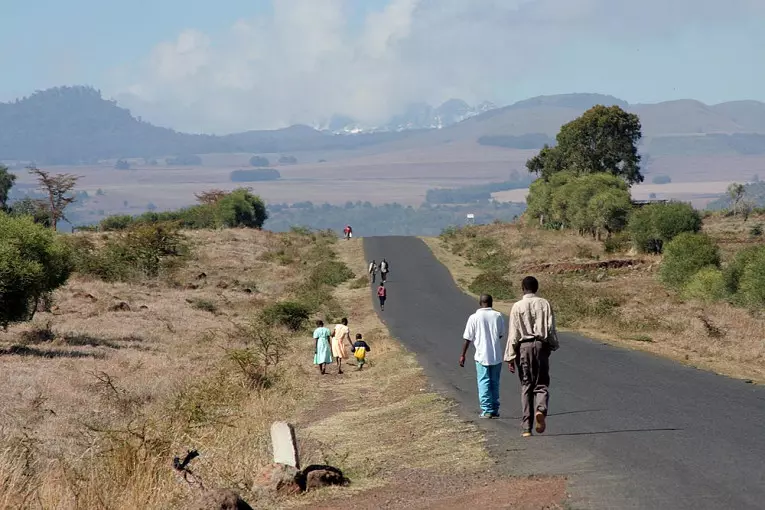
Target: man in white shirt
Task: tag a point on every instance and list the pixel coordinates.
(485, 330)
(531, 339)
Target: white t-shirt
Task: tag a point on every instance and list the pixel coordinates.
(485, 329)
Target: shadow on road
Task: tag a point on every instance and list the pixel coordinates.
(610, 432)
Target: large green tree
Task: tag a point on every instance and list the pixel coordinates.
(603, 140)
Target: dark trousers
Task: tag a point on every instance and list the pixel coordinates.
(534, 373)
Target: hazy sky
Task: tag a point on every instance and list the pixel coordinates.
(245, 64)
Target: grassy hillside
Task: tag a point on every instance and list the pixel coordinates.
(614, 296)
(118, 377)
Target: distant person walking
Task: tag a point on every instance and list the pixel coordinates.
(348, 232)
(485, 330)
(384, 267)
(340, 336)
(382, 295)
(373, 270)
(531, 339)
(322, 354)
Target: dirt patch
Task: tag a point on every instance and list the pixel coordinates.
(425, 490)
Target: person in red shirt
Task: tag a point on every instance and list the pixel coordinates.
(382, 294)
(348, 231)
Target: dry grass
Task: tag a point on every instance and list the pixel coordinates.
(624, 306)
(97, 401)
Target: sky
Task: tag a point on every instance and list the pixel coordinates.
(234, 65)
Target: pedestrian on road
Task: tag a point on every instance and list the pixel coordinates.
(384, 270)
(348, 232)
(373, 270)
(531, 339)
(340, 336)
(485, 330)
(322, 354)
(382, 294)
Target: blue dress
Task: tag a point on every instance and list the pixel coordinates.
(323, 351)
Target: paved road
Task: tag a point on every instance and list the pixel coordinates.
(630, 429)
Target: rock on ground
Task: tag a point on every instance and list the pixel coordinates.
(221, 499)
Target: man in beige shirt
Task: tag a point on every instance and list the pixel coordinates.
(531, 338)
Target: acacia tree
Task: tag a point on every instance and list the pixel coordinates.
(58, 187)
(603, 140)
(736, 193)
(6, 183)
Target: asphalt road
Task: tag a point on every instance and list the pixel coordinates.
(629, 429)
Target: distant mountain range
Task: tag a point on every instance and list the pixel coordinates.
(416, 116)
(76, 125)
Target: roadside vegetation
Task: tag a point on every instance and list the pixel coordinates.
(122, 349)
(659, 276)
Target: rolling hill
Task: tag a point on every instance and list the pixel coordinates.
(76, 125)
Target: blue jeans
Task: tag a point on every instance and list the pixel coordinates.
(488, 387)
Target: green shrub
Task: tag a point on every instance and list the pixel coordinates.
(240, 208)
(685, 255)
(707, 285)
(204, 305)
(494, 283)
(141, 251)
(331, 272)
(752, 283)
(291, 314)
(34, 261)
(116, 222)
(616, 243)
(654, 225)
(735, 268)
(756, 230)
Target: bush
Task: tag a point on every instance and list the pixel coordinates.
(736, 267)
(122, 164)
(240, 208)
(286, 313)
(654, 225)
(685, 255)
(331, 272)
(752, 283)
(616, 243)
(661, 179)
(706, 285)
(116, 222)
(494, 283)
(288, 160)
(756, 230)
(34, 261)
(259, 161)
(265, 174)
(145, 250)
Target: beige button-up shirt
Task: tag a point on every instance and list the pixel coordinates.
(531, 317)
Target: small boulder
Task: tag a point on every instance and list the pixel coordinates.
(201, 276)
(278, 479)
(317, 477)
(120, 307)
(221, 499)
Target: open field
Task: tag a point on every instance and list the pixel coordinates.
(99, 398)
(624, 303)
(401, 176)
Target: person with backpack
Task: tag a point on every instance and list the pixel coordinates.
(384, 270)
(373, 270)
(382, 295)
(348, 232)
(360, 350)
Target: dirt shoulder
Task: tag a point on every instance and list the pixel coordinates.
(613, 297)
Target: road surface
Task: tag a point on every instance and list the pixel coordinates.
(629, 429)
